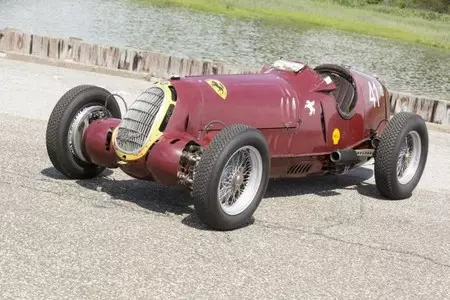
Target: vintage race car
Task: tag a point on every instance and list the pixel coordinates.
(223, 136)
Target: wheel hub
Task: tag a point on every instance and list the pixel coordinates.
(238, 180)
(78, 126)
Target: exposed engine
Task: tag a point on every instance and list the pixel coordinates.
(188, 161)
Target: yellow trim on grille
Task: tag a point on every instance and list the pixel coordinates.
(155, 134)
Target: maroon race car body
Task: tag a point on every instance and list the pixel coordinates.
(298, 121)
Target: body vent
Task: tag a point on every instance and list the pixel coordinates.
(134, 130)
(299, 169)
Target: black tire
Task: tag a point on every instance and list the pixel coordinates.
(209, 169)
(72, 102)
(388, 151)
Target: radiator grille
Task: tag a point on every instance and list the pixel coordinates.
(134, 130)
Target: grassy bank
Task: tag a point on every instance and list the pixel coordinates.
(411, 25)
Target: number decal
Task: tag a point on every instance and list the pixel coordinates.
(374, 97)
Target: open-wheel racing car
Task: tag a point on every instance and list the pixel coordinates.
(223, 136)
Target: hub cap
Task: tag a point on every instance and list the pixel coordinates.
(409, 157)
(78, 126)
(240, 180)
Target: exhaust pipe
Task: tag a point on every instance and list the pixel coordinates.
(349, 156)
(346, 156)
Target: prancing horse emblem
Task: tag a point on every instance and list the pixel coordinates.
(310, 105)
(218, 87)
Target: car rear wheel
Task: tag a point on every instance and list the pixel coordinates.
(69, 119)
(401, 156)
(231, 178)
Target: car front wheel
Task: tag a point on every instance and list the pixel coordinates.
(69, 119)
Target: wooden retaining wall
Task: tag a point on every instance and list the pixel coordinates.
(432, 110)
(135, 60)
(163, 66)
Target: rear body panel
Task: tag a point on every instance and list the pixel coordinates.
(373, 101)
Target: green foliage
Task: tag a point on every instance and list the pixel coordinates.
(357, 3)
(412, 13)
(440, 6)
(376, 19)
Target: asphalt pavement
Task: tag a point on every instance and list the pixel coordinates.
(115, 237)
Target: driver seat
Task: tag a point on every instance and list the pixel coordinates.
(345, 92)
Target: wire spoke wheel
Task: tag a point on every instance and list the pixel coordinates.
(240, 180)
(231, 177)
(70, 117)
(409, 157)
(401, 156)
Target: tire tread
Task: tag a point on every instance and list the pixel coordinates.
(204, 172)
(385, 168)
(54, 125)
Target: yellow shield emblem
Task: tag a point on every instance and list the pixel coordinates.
(336, 136)
(218, 87)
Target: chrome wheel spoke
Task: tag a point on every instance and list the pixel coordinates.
(225, 195)
(240, 180)
(409, 157)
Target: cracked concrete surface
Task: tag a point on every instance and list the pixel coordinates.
(118, 238)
